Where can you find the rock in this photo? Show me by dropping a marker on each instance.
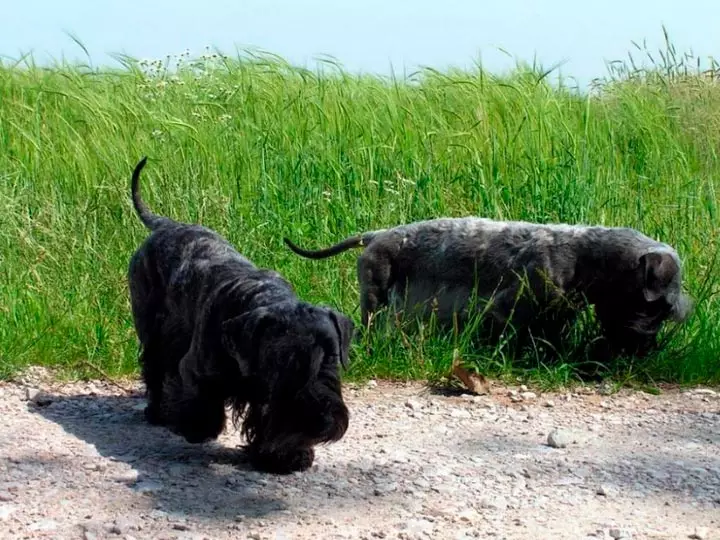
(704, 392)
(127, 477)
(493, 503)
(43, 525)
(148, 486)
(372, 383)
(549, 403)
(460, 413)
(604, 491)
(619, 533)
(700, 533)
(6, 511)
(123, 526)
(6, 496)
(38, 397)
(559, 438)
(413, 405)
(528, 396)
(384, 488)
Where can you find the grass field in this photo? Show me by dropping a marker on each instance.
(257, 150)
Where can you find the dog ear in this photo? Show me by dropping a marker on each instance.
(658, 270)
(240, 335)
(345, 329)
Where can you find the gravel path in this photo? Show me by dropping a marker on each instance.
(77, 461)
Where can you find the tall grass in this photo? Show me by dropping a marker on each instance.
(258, 149)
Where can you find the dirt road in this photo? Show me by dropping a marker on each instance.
(77, 461)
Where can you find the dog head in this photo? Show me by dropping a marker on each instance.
(292, 354)
(642, 298)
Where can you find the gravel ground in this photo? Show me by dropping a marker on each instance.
(77, 461)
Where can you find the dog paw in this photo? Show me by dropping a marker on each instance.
(283, 462)
(153, 415)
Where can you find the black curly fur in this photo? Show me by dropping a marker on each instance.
(217, 331)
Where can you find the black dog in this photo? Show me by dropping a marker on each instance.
(215, 330)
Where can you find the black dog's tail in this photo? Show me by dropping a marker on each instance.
(352, 242)
(151, 221)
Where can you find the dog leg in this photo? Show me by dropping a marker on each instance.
(153, 373)
(374, 275)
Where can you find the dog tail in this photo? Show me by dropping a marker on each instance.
(349, 243)
(151, 221)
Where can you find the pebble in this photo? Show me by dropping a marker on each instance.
(700, 533)
(6, 496)
(460, 413)
(38, 397)
(6, 511)
(559, 438)
(43, 525)
(619, 533)
(704, 392)
(549, 403)
(148, 486)
(127, 477)
(604, 491)
(528, 396)
(413, 405)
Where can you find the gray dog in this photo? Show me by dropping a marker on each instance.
(536, 275)
(216, 330)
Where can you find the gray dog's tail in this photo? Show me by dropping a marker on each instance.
(151, 221)
(352, 242)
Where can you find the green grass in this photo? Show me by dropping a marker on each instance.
(258, 150)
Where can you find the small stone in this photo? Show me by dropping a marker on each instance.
(372, 383)
(469, 516)
(704, 392)
(180, 527)
(43, 525)
(6, 511)
(460, 413)
(496, 503)
(528, 396)
(254, 536)
(382, 489)
(6, 496)
(700, 533)
(605, 405)
(549, 403)
(619, 533)
(38, 397)
(413, 405)
(604, 491)
(127, 477)
(148, 486)
(559, 438)
(523, 388)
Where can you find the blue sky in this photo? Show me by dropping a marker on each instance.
(368, 35)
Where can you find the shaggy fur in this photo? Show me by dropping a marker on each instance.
(537, 275)
(215, 330)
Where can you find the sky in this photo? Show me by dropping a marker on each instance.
(368, 35)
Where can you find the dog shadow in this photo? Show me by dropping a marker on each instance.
(210, 480)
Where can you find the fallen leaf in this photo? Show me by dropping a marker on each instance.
(474, 382)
